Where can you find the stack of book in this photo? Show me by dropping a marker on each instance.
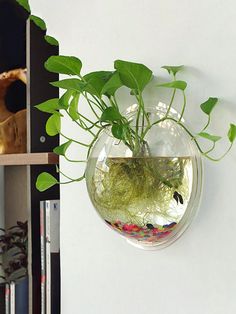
(14, 297)
(50, 256)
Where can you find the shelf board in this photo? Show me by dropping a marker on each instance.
(29, 159)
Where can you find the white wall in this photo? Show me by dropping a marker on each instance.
(101, 273)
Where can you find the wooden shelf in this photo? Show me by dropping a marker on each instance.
(29, 159)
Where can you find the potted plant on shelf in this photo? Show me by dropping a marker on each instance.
(13, 249)
(143, 165)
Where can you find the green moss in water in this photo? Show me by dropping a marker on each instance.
(142, 190)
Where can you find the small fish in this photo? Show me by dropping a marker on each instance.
(178, 197)
(150, 226)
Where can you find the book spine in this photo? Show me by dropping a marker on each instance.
(2, 298)
(48, 256)
(7, 299)
(12, 298)
(43, 257)
(52, 214)
(22, 296)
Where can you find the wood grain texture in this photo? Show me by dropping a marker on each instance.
(29, 159)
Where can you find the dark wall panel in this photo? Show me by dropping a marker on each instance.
(13, 49)
(12, 35)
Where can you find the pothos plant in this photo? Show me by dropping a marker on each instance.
(99, 91)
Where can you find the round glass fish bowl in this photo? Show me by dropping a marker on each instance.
(149, 199)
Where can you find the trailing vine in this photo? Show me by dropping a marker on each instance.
(38, 22)
(98, 89)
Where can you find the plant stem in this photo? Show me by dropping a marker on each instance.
(81, 124)
(113, 104)
(210, 150)
(93, 124)
(115, 101)
(89, 121)
(71, 179)
(137, 144)
(93, 141)
(221, 157)
(171, 102)
(100, 102)
(91, 107)
(70, 139)
(184, 106)
(208, 122)
(80, 161)
(143, 108)
(172, 98)
(194, 139)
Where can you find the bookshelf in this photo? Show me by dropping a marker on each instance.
(29, 159)
(22, 45)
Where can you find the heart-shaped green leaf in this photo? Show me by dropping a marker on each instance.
(232, 133)
(49, 106)
(173, 69)
(73, 109)
(64, 65)
(45, 181)
(213, 138)
(133, 75)
(39, 22)
(96, 81)
(118, 131)
(209, 105)
(24, 4)
(61, 150)
(64, 101)
(51, 40)
(110, 114)
(112, 85)
(70, 84)
(175, 84)
(53, 125)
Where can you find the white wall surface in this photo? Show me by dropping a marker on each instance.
(101, 273)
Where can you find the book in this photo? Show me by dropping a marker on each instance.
(50, 256)
(7, 298)
(22, 296)
(43, 257)
(12, 297)
(2, 298)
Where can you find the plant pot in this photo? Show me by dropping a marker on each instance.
(149, 198)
